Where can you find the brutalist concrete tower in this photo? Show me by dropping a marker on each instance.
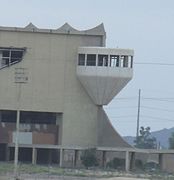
(68, 75)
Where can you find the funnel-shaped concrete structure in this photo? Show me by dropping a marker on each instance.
(103, 72)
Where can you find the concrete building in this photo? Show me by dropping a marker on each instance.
(59, 81)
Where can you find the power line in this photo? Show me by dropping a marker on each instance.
(121, 107)
(126, 98)
(158, 118)
(154, 108)
(125, 116)
(143, 107)
(159, 99)
(158, 64)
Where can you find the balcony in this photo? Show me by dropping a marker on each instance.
(103, 72)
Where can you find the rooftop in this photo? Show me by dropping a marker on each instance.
(65, 29)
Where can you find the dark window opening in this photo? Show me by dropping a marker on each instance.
(91, 60)
(9, 56)
(131, 62)
(81, 60)
(8, 116)
(125, 61)
(16, 56)
(102, 60)
(114, 61)
(38, 117)
(28, 117)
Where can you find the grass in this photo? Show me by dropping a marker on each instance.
(7, 168)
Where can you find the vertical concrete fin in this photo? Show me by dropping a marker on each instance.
(107, 135)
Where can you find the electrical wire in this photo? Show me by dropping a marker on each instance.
(158, 64)
(154, 108)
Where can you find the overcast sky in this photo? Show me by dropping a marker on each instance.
(147, 26)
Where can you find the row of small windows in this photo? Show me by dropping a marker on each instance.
(10, 56)
(105, 60)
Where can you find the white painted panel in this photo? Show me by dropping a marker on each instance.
(24, 137)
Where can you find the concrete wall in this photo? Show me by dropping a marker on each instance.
(52, 85)
(168, 163)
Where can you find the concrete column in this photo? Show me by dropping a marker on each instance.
(49, 156)
(160, 161)
(34, 156)
(7, 158)
(132, 161)
(0, 111)
(127, 162)
(61, 157)
(104, 159)
(75, 158)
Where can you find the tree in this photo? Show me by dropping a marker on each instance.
(145, 139)
(89, 158)
(171, 141)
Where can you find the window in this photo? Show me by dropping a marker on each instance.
(114, 61)
(81, 60)
(102, 60)
(10, 56)
(91, 60)
(125, 61)
(131, 57)
(8, 116)
(29, 117)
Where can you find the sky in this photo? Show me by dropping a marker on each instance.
(147, 26)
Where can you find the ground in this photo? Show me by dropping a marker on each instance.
(70, 178)
(41, 172)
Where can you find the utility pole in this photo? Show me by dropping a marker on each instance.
(138, 114)
(20, 78)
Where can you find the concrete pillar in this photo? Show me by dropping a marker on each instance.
(61, 157)
(127, 161)
(104, 159)
(132, 161)
(49, 156)
(160, 161)
(0, 111)
(75, 158)
(34, 156)
(7, 155)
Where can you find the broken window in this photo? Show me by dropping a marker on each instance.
(102, 60)
(114, 61)
(81, 60)
(10, 56)
(91, 60)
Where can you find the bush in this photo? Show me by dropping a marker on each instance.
(89, 158)
(116, 163)
(151, 166)
(139, 164)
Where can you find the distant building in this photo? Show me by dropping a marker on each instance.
(59, 80)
